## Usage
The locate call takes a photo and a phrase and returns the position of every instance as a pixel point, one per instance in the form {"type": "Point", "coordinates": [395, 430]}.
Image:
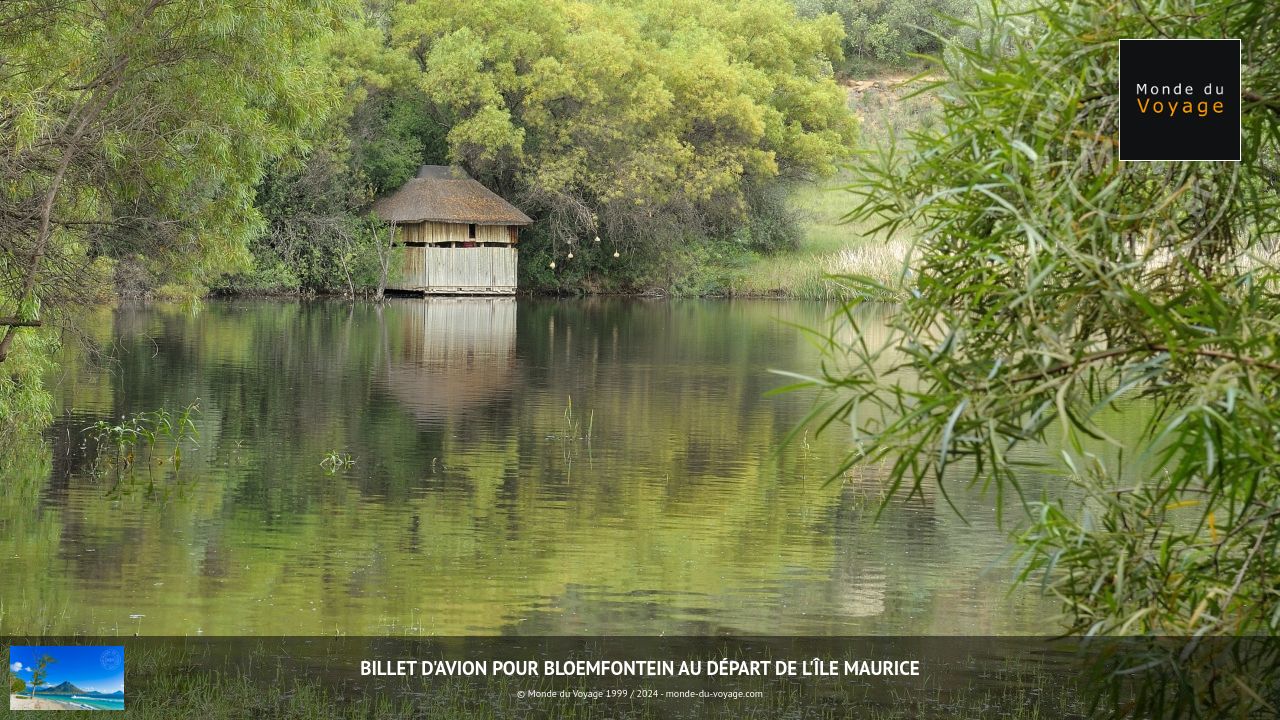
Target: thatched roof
{"type": "Point", "coordinates": [443, 194]}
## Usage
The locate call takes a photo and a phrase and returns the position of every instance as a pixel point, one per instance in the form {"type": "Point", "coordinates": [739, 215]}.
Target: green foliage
{"type": "Point", "coordinates": [24, 403]}
{"type": "Point", "coordinates": [650, 125]}
{"type": "Point", "coordinates": [133, 137]}
{"type": "Point", "coordinates": [1054, 285]}
{"type": "Point", "coordinates": [391, 137]}
{"type": "Point", "coordinates": [642, 123]}
{"type": "Point", "coordinates": [889, 31]}
{"type": "Point", "coordinates": [315, 241]}
{"type": "Point", "coordinates": [16, 684]}
{"type": "Point", "coordinates": [334, 461]}
{"type": "Point", "coordinates": [161, 94]}
{"type": "Point", "coordinates": [317, 236]}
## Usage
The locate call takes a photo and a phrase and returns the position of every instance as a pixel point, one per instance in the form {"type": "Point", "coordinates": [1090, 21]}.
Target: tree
{"type": "Point", "coordinates": [1053, 285]}
{"type": "Point", "coordinates": [645, 123]}
{"type": "Point", "coordinates": [16, 685]}
{"type": "Point", "coordinates": [135, 132]}
{"type": "Point", "coordinates": [889, 31]}
{"type": "Point", "coordinates": [385, 251]}
{"type": "Point", "coordinates": [318, 236]}
{"type": "Point", "coordinates": [40, 673]}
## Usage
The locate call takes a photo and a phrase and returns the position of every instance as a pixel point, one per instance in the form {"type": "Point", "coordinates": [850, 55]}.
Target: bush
{"type": "Point", "coordinates": [889, 31]}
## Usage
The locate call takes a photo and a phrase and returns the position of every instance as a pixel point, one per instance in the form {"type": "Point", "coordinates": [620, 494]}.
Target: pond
{"type": "Point", "coordinates": [598, 466]}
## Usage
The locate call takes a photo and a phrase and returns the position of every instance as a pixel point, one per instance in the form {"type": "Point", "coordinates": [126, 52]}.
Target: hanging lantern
{"type": "Point", "coordinates": [597, 238]}
{"type": "Point", "coordinates": [570, 256]}
{"type": "Point", "coordinates": [552, 265]}
{"type": "Point", "coordinates": [615, 254]}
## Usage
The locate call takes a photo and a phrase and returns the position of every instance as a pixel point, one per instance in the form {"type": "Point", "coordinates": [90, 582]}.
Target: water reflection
{"type": "Point", "coordinates": [452, 355]}
{"type": "Point", "coordinates": [584, 466]}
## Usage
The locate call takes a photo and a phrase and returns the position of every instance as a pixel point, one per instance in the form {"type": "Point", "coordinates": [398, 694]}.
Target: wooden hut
{"type": "Point", "coordinates": [457, 237]}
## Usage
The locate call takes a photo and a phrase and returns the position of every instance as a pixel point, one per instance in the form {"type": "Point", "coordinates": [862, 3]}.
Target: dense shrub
{"type": "Point", "coordinates": [889, 31]}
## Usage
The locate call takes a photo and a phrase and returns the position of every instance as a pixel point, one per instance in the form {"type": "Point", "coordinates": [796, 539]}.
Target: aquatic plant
{"type": "Point", "coordinates": [122, 444]}
{"type": "Point", "coordinates": [573, 424]}
{"type": "Point", "coordinates": [334, 461]}
{"type": "Point", "coordinates": [574, 433]}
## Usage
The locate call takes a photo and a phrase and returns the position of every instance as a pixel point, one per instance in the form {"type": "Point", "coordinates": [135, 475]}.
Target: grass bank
{"type": "Point", "coordinates": [830, 247]}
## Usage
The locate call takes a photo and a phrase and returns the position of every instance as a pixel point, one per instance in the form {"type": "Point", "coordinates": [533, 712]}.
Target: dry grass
{"type": "Point", "coordinates": [831, 246]}
{"type": "Point", "coordinates": [882, 261]}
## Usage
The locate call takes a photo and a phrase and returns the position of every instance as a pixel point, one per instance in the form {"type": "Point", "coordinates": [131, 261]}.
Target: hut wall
{"type": "Point", "coordinates": [459, 271]}
{"type": "Point", "coordinates": [492, 234]}
{"type": "Point", "coordinates": [436, 233]}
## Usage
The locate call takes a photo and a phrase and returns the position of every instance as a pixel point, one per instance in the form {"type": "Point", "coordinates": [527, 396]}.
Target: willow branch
{"type": "Point", "coordinates": [15, 322]}
{"type": "Point", "coordinates": [1151, 347]}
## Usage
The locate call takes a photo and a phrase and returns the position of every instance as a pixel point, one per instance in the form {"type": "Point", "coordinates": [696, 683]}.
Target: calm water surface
{"type": "Point", "coordinates": [530, 467]}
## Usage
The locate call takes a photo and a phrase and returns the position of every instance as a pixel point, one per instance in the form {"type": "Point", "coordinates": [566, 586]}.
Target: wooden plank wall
{"type": "Point", "coordinates": [492, 233]}
{"type": "Point", "coordinates": [433, 232]}
{"type": "Point", "coordinates": [475, 270]}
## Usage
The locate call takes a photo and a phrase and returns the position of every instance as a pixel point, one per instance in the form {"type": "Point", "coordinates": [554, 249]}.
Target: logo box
{"type": "Point", "coordinates": [1180, 100]}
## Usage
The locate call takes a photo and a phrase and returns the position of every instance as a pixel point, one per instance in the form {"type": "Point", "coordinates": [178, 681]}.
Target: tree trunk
{"type": "Point", "coordinates": [98, 95]}
{"type": "Point", "coordinates": [88, 113]}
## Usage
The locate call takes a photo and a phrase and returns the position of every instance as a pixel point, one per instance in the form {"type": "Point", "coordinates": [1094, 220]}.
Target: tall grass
{"type": "Point", "coordinates": [830, 247]}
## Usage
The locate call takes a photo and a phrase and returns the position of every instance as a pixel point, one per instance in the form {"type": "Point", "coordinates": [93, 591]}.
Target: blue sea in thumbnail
{"type": "Point", "coordinates": [93, 702]}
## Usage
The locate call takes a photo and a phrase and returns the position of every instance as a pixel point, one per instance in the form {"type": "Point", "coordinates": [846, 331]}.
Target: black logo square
{"type": "Point", "coordinates": [1180, 100]}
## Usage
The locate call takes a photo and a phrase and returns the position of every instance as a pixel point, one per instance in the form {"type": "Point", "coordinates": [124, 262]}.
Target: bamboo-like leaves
{"type": "Point", "coordinates": [1055, 287]}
